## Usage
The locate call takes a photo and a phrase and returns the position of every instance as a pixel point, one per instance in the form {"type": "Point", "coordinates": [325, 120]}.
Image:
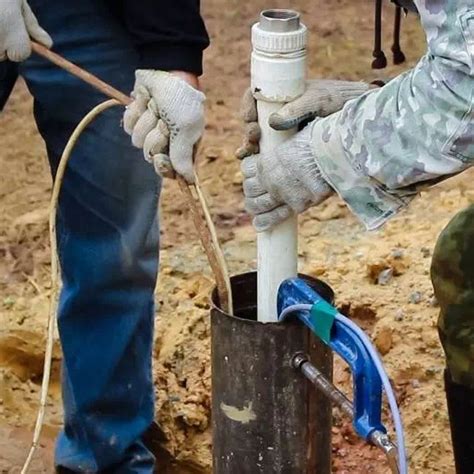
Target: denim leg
{"type": "Point", "coordinates": [108, 244]}
{"type": "Point", "coordinates": [8, 76]}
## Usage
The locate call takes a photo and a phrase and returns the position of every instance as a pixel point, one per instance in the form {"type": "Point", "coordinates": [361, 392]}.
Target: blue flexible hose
{"type": "Point", "coordinates": [396, 416]}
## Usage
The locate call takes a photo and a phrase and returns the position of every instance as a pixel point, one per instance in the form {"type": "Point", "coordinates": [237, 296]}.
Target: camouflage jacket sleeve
{"type": "Point", "coordinates": [417, 130]}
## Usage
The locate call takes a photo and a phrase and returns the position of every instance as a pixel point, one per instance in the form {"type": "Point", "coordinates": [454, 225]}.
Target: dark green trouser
{"type": "Point", "coordinates": [452, 273]}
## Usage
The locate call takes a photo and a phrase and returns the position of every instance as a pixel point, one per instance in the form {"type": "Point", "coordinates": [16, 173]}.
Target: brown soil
{"type": "Point", "coordinates": [400, 316]}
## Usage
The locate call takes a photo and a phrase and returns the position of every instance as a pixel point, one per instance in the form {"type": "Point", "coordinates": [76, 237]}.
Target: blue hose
{"type": "Point", "coordinates": [397, 419]}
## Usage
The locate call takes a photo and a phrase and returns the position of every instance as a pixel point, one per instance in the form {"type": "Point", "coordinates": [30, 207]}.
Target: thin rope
{"type": "Point", "coordinates": [217, 248]}
{"type": "Point", "coordinates": [55, 274]}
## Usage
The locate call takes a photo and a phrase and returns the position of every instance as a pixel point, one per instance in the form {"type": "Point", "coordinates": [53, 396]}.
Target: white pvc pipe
{"type": "Point", "coordinates": [278, 69]}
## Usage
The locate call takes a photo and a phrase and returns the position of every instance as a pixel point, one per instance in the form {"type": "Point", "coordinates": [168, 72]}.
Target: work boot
{"type": "Point", "coordinates": [461, 418]}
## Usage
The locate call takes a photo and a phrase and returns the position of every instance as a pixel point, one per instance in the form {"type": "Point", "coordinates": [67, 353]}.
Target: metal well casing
{"type": "Point", "coordinates": [266, 417]}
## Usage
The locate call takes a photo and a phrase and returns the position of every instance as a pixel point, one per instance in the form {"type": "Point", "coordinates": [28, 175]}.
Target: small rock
{"type": "Point", "coordinates": [398, 253]}
{"type": "Point", "coordinates": [342, 452]}
{"type": "Point", "coordinates": [415, 383]}
{"type": "Point", "coordinates": [374, 269]}
{"type": "Point", "coordinates": [384, 340]}
{"type": "Point", "coordinates": [385, 276]}
{"type": "Point", "coordinates": [399, 315]}
{"type": "Point", "coordinates": [434, 302]}
{"type": "Point", "coordinates": [415, 298]}
{"type": "Point", "coordinates": [425, 251]}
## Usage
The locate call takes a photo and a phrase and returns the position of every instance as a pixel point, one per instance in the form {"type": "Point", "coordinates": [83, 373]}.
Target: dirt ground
{"type": "Point", "coordinates": [400, 314]}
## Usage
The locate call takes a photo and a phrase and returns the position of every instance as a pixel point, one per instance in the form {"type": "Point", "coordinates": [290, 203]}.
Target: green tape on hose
{"type": "Point", "coordinates": [322, 317]}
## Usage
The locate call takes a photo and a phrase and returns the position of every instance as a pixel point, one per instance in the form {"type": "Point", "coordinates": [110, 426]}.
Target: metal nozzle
{"type": "Point", "coordinates": [301, 362]}
{"type": "Point", "coordinates": [382, 441]}
{"type": "Point", "coordinates": [279, 20]}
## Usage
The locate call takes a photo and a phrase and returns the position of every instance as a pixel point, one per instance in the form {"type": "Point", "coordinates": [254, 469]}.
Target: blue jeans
{"type": "Point", "coordinates": [108, 244]}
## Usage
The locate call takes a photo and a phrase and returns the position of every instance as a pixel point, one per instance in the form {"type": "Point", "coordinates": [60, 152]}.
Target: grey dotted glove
{"type": "Point", "coordinates": [284, 181]}
{"type": "Point", "coordinates": [321, 98]}
{"type": "Point", "coordinates": [166, 120]}
{"type": "Point", "coordinates": [18, 25]}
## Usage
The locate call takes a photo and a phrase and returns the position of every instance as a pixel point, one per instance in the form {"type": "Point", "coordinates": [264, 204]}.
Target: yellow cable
{"type": "Point", "coordinates": [55, 275]}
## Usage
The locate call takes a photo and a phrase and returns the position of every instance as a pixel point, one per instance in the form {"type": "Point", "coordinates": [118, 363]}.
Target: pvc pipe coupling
{"type": "Point", "coordinates": [279, 32]}
{"type": "Point", "coordinates": [279, 42]}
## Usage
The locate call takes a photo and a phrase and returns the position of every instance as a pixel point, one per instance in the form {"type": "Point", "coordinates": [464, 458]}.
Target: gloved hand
{"type": "Point", "coordinates": [321, 98]}
{"type": "Point", "coordinates": [166, 119]}
{"type": "Point", "coordinates": [284, 181]}
{"type": "Point", "coordinates": [18, 25]}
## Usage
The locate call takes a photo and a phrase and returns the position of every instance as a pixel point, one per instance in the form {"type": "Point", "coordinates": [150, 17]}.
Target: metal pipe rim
{"type": "Point", "coordinates": [278, 20]}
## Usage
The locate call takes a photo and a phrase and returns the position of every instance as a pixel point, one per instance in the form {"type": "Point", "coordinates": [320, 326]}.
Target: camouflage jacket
{"type": "Point", "coordinates": [417, 130]}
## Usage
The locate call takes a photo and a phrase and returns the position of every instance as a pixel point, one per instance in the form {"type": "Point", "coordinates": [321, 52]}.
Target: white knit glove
{"type": "Point", "coordinates": [166, 119]}
{"type": "Point", "coordinates": [284, 181]}
{"type": "Point", "coordinates": [320, 99]}
{"type": "Point", "coordinates": [18, 25]}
